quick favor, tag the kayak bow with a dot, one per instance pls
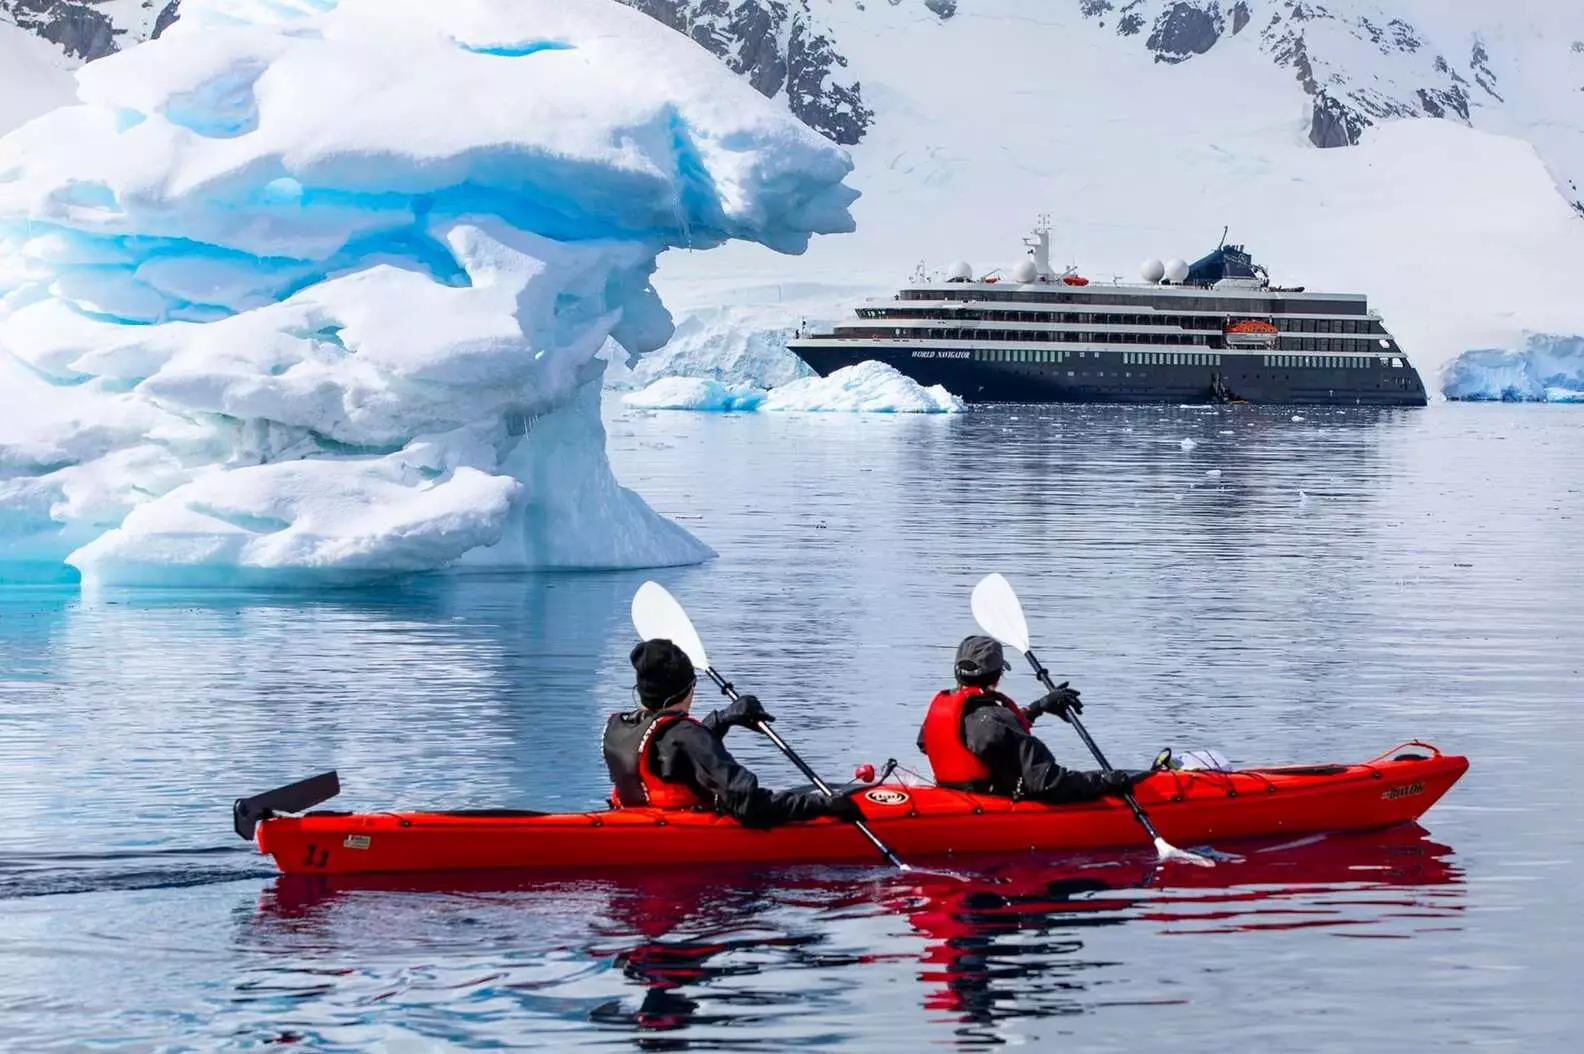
(917, 820)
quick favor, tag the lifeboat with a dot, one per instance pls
(1074, 279)
(1250, 333)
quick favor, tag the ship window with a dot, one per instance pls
(1069, 373)
(1397, 363)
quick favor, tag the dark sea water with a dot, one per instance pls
(1286, 590)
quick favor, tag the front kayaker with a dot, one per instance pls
(661, 757)
(979, 740)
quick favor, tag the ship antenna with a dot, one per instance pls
(1223, 235)
(1039, 247)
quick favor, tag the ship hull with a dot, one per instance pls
(1110, 377)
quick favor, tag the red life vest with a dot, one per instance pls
(629, 753)
(949, 756)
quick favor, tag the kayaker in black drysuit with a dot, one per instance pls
(660, 757)
(978, 740)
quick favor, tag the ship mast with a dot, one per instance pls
(1039, 248)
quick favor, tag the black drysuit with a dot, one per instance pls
(1020, 764)
(691, 753)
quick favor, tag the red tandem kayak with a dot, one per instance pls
(917, 821)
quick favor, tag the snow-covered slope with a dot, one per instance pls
(314, 291)
(34, 77)
(1012, 107)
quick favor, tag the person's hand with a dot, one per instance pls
(745, 712)
(1119, 781)
(1060, 701)
(845, 809)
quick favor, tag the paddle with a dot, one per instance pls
(996, 609)
(656, 613)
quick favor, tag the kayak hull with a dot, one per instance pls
(917, 821)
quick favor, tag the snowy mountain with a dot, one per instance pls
(1145, 127)
(1516, 67)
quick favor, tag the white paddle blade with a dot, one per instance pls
(656, 613)
(1169, 852)
(996, 609)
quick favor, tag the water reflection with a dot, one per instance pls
(674, 957)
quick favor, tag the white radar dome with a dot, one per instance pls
(1025, 272)
(1176, 270)
(960, 271)
(1153, 271)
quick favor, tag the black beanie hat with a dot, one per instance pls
(665, 673)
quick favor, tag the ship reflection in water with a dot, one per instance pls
(684, 959)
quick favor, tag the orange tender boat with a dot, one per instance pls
(917, 821)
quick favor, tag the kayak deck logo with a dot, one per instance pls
(886, 797)
(1402, 790)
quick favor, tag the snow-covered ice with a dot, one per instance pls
(868, 387)
(317, 290)
(1547, 368)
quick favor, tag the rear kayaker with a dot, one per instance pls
(917, 820)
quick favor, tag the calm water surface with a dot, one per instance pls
(1287, 589)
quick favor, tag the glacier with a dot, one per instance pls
(866, 387)
(317, 291)
(1547, 368)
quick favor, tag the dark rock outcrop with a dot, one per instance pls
(78, 27)
(1186, 29)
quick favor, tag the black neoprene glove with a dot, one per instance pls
(744, 712)
(1119, 780)
(845, 809)
(1060, 701)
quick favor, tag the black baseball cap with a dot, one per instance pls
(981, 658)
(665, 673)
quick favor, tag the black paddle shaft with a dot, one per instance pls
(1083, 733)
(813, 777)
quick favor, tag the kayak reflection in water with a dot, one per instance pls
(1024, 940)
(979, 740)
(660, 757)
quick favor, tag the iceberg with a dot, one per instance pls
(738, 334)
(1548, 368)
(317, 291)
(696, 393)
(868, 387)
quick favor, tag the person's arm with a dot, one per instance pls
(996, 738)
(688, 753)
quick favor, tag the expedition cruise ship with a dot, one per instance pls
(1213, 331)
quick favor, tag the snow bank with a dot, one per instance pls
(315, 291)
(1548, 369)
(869, 387)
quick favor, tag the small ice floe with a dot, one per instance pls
(1297, 417)
(1214, 473)
(1187, 444)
